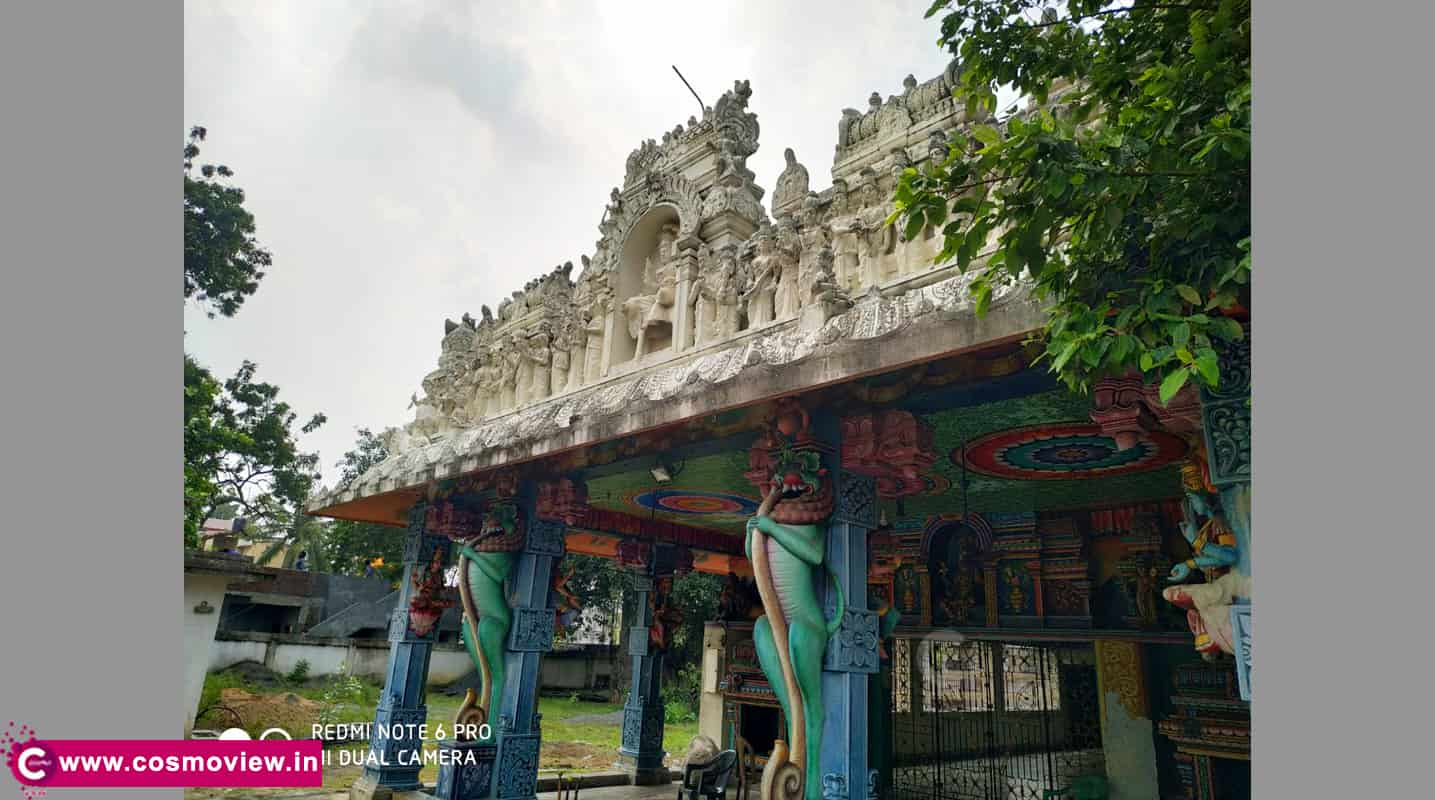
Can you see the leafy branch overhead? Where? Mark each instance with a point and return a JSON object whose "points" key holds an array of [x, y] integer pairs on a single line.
{"points": [[1123, 194], [223, 262]]}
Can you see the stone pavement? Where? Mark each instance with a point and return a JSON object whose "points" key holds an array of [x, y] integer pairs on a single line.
{"points": [[667, 792]]}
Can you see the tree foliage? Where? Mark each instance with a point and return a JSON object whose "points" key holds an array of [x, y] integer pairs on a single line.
{"points": [[352, 545], [1123, 195], [223, 262], [240, 450]]}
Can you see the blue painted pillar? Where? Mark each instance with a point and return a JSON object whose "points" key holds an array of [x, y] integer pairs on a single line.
{"points": [[1226, 423], [643, 713], [394, 746], [515, 775], [851, 658]]}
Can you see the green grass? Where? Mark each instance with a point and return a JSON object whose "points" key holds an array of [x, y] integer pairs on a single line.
{"points": [[557, 725], [600, 740]]}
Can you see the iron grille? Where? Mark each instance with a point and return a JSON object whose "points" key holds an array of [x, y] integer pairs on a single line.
{"points": [[979, 720]]}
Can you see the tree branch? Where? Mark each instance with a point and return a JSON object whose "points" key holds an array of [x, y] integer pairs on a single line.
{"points": [[1110, 11]]}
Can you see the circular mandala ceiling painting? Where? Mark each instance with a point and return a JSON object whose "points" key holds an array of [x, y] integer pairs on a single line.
{"points": [[698, 503], [1065, 452]]}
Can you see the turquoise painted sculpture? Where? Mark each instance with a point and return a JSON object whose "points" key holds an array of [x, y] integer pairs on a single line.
{"points": [[1213, 545], [485, 562], [786, 543]]}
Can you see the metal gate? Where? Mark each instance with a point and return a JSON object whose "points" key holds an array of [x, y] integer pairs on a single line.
{"points": [[980, 720]]}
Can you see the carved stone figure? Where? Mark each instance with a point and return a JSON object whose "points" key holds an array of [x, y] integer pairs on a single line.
{"points": [[937, 149], [660, 282], [787, 300], [512, 358], [489, 389], [792, 185], [728, 317], [562, 359], [813, 237], [539, 354], [879, 238], [758, 294]]}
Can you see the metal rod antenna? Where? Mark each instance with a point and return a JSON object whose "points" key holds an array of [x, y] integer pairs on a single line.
{"points": [[701, 105]]}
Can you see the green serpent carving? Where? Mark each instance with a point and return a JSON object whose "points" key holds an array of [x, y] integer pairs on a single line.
{"points": [[786, 543], [485, 562]]}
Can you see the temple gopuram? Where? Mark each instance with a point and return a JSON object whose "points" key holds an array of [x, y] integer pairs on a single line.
{"points": [[948, 576]]}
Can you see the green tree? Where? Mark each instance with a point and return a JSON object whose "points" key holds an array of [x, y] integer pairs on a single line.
{"points": [[223, 262], [352, 545], [696, 596], [241, 452], [598, 583], [1123, 195]]}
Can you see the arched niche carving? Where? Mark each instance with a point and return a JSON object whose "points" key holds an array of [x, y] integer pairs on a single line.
{"points": [[955, 550], [646, 285]]}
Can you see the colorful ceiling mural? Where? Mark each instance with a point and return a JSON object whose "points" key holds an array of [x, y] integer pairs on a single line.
{"points": [[1036, 451], [1064, 452]]}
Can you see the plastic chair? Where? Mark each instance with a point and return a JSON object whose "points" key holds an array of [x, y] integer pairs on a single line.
{"points": [[1085, 787], [708, 781]]}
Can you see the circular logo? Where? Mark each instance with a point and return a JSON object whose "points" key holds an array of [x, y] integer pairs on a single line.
{"points": [[234, 735], [696, 503], [1065, 452], [34, 763]]}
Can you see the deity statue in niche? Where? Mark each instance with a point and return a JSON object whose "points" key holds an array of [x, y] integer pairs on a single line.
{"points": [[704, 297], [824, 290], [1147, 581], [760, 292], [906, 593], [512, 369], [562, 358], [1018, 589], [523, 376], [593, 355], [787, 299], [654, 308], [715, 303], [956, 566], [540, 355], [577, 348], [878, 237], [847, 231], [485, 383], [728, 318], [813, 237]]}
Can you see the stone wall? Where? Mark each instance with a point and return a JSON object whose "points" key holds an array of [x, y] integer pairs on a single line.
{"points": [[564, 669]]}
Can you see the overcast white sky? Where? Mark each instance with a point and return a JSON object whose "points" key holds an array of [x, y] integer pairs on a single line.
{"points": [[408, 162]]}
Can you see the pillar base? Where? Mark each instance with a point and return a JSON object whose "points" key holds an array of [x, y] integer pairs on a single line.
{"points": [[645, 776], [368, 787], [465, 770]]}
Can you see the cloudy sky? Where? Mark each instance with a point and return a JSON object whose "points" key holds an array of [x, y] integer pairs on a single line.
{"points": [[408, 162]]}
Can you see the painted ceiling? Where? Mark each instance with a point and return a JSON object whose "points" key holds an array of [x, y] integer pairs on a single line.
{"points": [[1027, 447]]}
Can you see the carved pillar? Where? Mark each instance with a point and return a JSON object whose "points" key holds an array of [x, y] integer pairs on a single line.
{"points": [[395, 758], [515, 774], [642, 742], [683, 331], [1126, 726], [1226, 423], [851, 658]]}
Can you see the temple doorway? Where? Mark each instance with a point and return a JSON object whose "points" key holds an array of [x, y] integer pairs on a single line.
{"points": [[982, 720]]}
